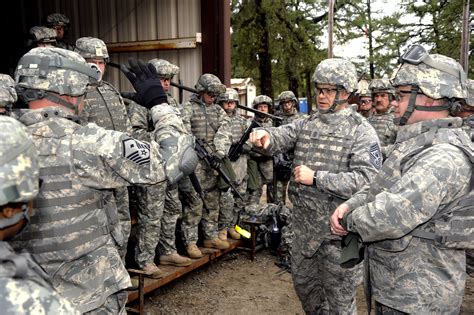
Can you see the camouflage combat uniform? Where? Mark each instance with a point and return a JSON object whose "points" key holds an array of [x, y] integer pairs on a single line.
{"points": [[104, 107], [70, 234], [7, 94], [58, 19], [211, 123], [424, 174], [343, 149], [24, 287]]}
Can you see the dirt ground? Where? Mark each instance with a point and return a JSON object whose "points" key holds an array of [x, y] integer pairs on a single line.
{"points": [[236, 285]]}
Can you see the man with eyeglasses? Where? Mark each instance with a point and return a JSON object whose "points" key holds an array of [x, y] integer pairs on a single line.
{"points": [[413, 213], [382, 119], [337, 153], [208, 121], [365, 107]]}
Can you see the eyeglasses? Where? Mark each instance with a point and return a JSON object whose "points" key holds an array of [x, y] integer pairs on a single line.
{"points": [[325, 91], [416, 54], [366, 101]]}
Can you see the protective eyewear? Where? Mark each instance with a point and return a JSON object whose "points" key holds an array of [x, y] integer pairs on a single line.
{"points": [[325, 91], [416, 54], [366, 101]]}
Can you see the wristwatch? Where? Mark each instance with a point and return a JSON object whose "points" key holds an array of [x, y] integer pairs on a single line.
{"points": [[314, 179]]}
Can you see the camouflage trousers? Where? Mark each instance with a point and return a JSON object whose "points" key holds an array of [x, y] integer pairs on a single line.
{"points": [[281, 192], [123, 211], [322, 286], [231, 205], [151, 201], [381, 309], [470, 262], [254, 196], [170, 217], [114, 304], [192, 212]]}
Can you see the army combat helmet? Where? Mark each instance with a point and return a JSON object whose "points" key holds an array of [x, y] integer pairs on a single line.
{"points": [[230, 95], [164, 68], [436, 76], [262, 99], [382, 86], [7, 94], [92, 48], [18, 168], [338, 72], [45, 72], [210, 83], [57, 19], [42, 35]]}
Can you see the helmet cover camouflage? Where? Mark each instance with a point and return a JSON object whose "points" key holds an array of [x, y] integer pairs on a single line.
{"points": [[336, 71], [57, 19], [470, 93], [381, 85], [262, 99], [229, 95], [210, 83], [42, 34], [7, 91], [92, 48], [55, 70], [431, 81], [286, 96], [18, 163], [164, 68]]}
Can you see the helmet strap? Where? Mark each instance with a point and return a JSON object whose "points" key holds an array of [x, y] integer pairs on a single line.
{"points": [[60, 101], [336, 102], [410, 109]]}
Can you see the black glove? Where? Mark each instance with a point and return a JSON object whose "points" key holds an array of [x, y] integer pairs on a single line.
{"points": [[146, 82]]}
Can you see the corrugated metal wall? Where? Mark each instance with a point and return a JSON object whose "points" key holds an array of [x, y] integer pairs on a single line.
{"points": [[131, 20]]}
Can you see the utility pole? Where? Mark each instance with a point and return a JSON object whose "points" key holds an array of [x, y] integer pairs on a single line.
{"points": [[371, 45], [330, 26], [464, 58]]}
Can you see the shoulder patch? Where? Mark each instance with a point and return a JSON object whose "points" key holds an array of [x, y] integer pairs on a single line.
{"points": [[136, 151], [375, 155]]}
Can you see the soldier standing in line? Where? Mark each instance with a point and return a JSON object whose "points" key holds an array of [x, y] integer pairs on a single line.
{"points": [[283, 162], [60, 23], [365, 107], [383, 94], [8, 95], [411, 211], [70, 234], [261, 166], [24, 287], [336, 153], [229, 205], [42, 36], [159, 205], [208, 121], [104, 106]]}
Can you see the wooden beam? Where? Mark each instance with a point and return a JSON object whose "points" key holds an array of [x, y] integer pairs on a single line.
{"points": [[153, 45]]}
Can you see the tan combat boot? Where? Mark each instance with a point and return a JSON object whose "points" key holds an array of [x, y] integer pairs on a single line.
{"points": [[233, 234], [216, 243], [154, 271], [223, 235], [175, 259], [193, 251]]}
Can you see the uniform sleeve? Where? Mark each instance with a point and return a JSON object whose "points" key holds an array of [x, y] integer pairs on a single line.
{"points": [[284, 138], [223, 136], [187, 112], [167, 122], [139, 121], [429, 181], [365, 161], [109, 159]]}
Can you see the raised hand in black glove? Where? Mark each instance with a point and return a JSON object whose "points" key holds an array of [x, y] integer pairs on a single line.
{"points": [[146, 82], [131, 96]]}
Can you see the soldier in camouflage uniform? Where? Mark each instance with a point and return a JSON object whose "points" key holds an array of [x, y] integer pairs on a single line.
{"points": [[229, 205], [24, 287], [411, 267], [159, 205], [42, 36], [283, 162], [7, 94], [104, 106], [382, 119], [264, 163], [365, 107], [208, 121], [336, 154], [60, 23], [70, 234]]}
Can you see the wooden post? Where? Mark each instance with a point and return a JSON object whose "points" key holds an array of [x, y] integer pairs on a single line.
{"points": [[464, 58], [330, 26]]}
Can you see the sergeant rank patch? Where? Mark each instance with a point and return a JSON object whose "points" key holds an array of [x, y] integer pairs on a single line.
{"points": [[375, 155], [136, 151]]}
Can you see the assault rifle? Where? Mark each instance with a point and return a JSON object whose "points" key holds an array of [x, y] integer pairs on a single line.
{"points": [[212, 161], [236, 148]]}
